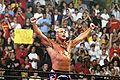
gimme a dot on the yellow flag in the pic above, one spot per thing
(23, 36)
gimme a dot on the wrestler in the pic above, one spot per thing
(60, 49)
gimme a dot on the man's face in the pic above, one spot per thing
(45, 66)
(61, 34)
(76, 11)
(56, 11)
(94, 37)
(103, 51)
(12, 56)
(65, 22)
(22, 47)
(79, 2)
(115, 45)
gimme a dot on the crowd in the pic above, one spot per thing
(98, 54)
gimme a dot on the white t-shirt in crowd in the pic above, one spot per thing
(77, 16)
(106, 17)
(94, 55)
(102, 58)
(33, 63)
(2, 8)
(71, 10)
(15, 25)
(96, 11)
(38, 16)
(116, 14)
(97, 45)
(42, 2)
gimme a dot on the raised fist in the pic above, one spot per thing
(92, 26)
(33, 20)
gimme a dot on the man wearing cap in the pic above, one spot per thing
(60, 49)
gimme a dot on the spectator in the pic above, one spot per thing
(56, 25)
(2, 6)
(15, 24)
(10, 11)
(95, 40)
(93, 73)
(20, 15)
(38, 14)
(45, 68)
(13, 63)
(21, 52)
(56, 16)
(82, 51)
(81, 6)
(96, 8)
(27, 24)
(97, 69)
(48, 13)
(67, 28)
(86, 17)
(113, 36)
(29, 12)
(77, 15)
(5, 24)
(114, 50)
(26, 66)
(78, 64)
(35, 76)
(6, 52)
(105, 16)
(93, 53)
(105, 32)
(102, 57)
(115, 10)
(104, 39)
(67, 17)
(71, 8)
(34, 58)
(42, 2)
(44, 24)
(116, 65)
(2, 40)
(97, 20)
(113, 24)
(64, 8)
(51, 33)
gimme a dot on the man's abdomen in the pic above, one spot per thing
(62, 63)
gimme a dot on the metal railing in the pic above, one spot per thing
(88, 76)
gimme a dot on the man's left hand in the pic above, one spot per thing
(92, 26)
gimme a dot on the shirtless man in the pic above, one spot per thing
(60, 49)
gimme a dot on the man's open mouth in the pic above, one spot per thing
(63, 36)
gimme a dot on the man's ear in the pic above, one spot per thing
(56, 35)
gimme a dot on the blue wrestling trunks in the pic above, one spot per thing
(59, 76)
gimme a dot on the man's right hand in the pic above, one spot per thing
(33, 20)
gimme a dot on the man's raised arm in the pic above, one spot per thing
(83, 35)
(45, 41)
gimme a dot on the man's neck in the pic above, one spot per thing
(59, 40)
